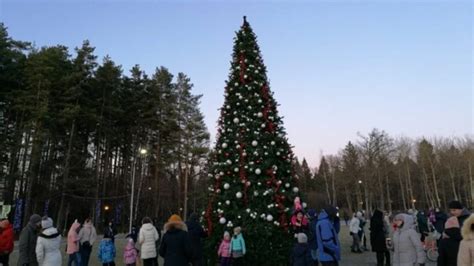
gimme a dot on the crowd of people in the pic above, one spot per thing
(316, 240)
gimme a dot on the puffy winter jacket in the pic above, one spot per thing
(6, 238)
(224, 249)
(408, 250)
(354, 226)
(106, 250)
(147, 239)
(196, 233)
(176, 246)
(73, 239)
(301, 255)
(48, 248)
(130, 254)
(238, 243)
(329, 249)
(466, 249)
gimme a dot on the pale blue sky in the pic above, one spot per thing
(336, 67)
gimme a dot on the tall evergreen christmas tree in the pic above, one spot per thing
(251, 172)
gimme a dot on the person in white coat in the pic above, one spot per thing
(354, 228)
(147, 239)
(407, 247)
(48, 244)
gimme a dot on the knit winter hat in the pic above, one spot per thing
(175, 218)
(46, 222)
(359, 214)
(452, 222)
(226, 233)
(35, 218)
(455, 205)
(302, 238)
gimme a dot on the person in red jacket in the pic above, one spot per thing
(6, 241)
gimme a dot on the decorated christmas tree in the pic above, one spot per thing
(252, 183)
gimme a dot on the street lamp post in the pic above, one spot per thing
(142, 152)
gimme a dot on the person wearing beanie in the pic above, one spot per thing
(301, 254)
(449, 244)
(147, 238)
(457, 209)
(407, 247)
(27, 243)
(48, 244)
(176, 246)
(466, 248)
(238, 247)
(73, 244)
(224, 254)
(6, 241)
(130, 253)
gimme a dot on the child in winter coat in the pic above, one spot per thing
(301, 255)
(237, 247)
(407, 247)
(449, 244)
(466, 249)
(107, 251)
(130, 253)
(224, 251)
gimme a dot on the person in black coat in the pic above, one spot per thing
(378, 236)
(449, 244)
(176, 246)
(196, 234)
(301, 254)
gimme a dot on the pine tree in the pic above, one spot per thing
(252, 178)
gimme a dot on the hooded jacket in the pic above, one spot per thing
(130, 253)
(147, 239)
(47, 247)
(408, 250)
(354, 226)
(329, 249)
(378, 232)
(73, 239)
(106, 250)
(27, 243)
(301, 255)
(6, 238)
(176, 246)
(466, 248)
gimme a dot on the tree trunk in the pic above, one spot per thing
(65, 177)
(327, 186)
(435, 183)
(471, 182)
(402, 190)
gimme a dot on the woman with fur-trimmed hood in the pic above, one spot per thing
(466, 249)
(176, 246)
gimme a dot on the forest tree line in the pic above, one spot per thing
(393, 174)
(75, 131)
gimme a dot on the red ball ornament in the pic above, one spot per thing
(226, 154)
(269, 182)
(228, 172)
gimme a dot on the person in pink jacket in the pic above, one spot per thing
(224, 251)
(130, 253)
(73, 244)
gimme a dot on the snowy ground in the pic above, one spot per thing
(348, 258)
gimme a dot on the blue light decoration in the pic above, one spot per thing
(18, 214)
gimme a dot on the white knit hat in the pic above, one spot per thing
(46, 223)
